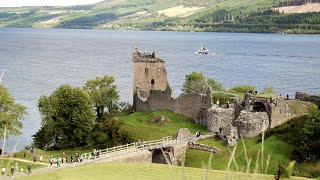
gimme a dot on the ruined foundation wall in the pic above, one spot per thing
(219, 117)
(251, 124)
(281, 112)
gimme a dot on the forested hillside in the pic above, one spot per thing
(179, 15)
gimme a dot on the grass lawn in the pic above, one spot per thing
(8, 163)
(278, 149)
(136, 123)
(132, 171)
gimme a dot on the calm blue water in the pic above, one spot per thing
(37, 61)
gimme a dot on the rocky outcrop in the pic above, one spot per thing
(251, 124)
(203, 147)
(229, 135)
(183, 133)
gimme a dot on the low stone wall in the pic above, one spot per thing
(203, 147)
(281, 112)
(136, 156)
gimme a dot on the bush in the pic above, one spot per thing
(268, 90)
(223, 98)
(242, 89)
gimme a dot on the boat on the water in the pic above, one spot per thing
(203, 50)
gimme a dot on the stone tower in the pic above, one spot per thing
(149, 74)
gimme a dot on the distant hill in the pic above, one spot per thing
(266, 16)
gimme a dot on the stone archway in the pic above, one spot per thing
(259, 107)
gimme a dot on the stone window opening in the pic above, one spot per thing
(259, 107)
(152, 82)
(146, 70)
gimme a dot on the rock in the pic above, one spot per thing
(183, 133)
(229, 135)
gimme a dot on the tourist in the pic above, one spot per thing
(250, 91)
(256, 92)
(31, 150)
(51, 161)
(71, 159)
(40, 157)
(24, 154)
(16, 166)
(34, 157)
(3, 170)
(58, 162)
(12, 170)
(77, 156)
(287, 96)
(29, 168)
(227, 104)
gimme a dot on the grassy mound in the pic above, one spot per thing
(138, 126)
(279, 150)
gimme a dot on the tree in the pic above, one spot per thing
(268, 90)
(194, 81)
(215, 85)
(103, 93)
(242, 89)
(109, 132)
(67, 118)
(11, 113)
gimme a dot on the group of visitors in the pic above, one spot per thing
(15, 168)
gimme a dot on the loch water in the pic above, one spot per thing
(37, 61)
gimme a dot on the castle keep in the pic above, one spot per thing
(248, 116)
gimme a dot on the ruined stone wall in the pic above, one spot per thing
(219, 117)
(149, 74)
(190, 105)
(251, 124)
(281, 112)
(157, 100)
(308, 97)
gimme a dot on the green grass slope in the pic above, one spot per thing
(136, 123)
(278, 150)
(131, 171)
(215, 15)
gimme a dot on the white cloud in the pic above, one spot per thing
(19, 3)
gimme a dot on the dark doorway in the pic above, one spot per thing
(152, 82)
(259, 107)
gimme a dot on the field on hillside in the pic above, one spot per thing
(278, 150)
(139, 128)
(179, 15)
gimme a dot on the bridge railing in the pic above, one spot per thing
(132, 147)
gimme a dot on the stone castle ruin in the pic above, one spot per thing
(246, 117)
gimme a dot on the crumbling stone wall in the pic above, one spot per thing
(219, 117)
(281, 112)
(149, 74)
(251, 124)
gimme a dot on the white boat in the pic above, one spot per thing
(203, 50)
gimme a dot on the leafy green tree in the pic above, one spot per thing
(67, 118)
(268, 90)
(215, 85)
(11, 113)
(109, 132)
(194, 81)
(103, 93)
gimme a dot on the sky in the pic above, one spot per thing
(19, 3)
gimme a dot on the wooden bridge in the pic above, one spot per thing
(134, 147)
